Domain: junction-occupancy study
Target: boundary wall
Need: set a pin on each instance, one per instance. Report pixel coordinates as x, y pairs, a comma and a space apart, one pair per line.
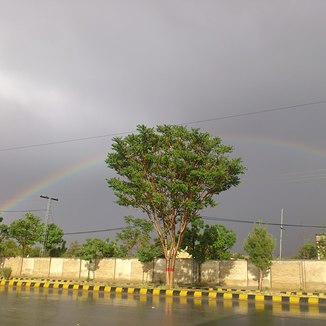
287, 274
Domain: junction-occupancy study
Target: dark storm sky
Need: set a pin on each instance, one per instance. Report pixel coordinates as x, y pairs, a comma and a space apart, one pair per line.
78, 69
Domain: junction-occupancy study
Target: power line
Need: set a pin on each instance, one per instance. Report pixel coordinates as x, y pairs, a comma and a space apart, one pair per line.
257, 112
63, 141
263, 223
185, 123
24, 211
94, 231
212, 219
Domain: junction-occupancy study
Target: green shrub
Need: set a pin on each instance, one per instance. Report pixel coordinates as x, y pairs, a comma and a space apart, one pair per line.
6, 272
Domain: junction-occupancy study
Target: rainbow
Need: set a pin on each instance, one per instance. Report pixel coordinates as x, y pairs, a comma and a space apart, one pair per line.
37, 187
304, 148
227, 139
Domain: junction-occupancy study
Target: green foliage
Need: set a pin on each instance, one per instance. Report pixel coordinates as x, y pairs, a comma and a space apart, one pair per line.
218, 240
4, 234
133, 236
260, 246
308, 251
205, 242
5, 272
73, 250
148, 252
168, 168
237, 255
171, 173
55, 244
94, 249
321, 247
26, 231
35, 252
9, 248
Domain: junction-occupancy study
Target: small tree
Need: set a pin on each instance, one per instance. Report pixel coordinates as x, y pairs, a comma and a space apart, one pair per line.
308, 251
205, 242
54, 244
171, 174
260, 246
26, 231
219, 240
92, 250
9, 248
4, 234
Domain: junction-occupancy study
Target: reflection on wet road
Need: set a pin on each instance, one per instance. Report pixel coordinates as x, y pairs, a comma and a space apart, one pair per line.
19, 306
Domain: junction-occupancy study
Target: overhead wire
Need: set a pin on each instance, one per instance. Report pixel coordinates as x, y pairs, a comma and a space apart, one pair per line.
94, 231
256, 112
209, 218
308, 175
261, 222
282, 108
23, 211
186, 123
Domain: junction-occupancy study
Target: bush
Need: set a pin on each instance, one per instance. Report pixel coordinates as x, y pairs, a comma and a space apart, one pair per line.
5, 272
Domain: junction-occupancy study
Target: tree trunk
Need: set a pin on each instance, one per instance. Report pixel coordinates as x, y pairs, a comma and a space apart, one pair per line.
199, 273
260, 279
170, 264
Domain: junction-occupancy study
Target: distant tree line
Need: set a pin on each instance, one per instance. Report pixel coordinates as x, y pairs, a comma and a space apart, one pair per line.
25, 237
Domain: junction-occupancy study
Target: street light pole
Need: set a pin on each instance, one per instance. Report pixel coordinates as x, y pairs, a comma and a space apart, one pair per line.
281, 232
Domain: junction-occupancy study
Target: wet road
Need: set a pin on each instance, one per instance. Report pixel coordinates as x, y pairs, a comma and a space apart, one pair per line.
19, 306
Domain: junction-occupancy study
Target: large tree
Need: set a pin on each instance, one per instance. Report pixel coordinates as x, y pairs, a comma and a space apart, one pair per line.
171, 174
260, 246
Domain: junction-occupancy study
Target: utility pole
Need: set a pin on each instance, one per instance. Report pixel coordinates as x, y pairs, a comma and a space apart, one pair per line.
47, 215
281, 232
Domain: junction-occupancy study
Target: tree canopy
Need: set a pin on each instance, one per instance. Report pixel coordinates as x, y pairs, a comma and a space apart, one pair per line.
94, 249
135, 235
171, 173
308, 251
26, 231
4, 234
207, 242
54, 240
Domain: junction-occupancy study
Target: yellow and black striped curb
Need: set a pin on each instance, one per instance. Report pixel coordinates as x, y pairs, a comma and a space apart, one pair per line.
197, 294
217, 289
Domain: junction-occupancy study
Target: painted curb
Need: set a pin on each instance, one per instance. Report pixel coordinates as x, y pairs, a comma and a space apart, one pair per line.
210, 294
